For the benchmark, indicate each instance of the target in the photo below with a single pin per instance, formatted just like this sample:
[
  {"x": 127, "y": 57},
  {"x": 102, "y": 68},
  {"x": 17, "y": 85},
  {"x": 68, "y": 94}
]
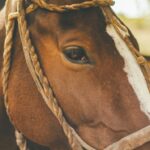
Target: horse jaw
[{"x": 134, "y": 73}]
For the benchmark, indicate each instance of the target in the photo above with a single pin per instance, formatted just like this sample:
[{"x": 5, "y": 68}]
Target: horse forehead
[{"x": 81, "y": 18}]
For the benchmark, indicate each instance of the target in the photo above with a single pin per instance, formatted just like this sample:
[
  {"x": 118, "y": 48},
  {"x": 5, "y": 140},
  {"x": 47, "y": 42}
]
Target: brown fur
[{"x": 97, "y": 99}]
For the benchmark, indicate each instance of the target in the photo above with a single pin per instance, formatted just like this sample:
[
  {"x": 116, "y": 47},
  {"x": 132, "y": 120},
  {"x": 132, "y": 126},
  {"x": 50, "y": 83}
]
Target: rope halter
[
  {"x": 62, "y": 8},
  {"x": 41, "y": 81}
]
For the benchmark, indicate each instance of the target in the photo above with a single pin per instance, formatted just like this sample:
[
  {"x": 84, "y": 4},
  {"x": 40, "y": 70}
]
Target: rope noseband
[{"x": 33, "y": 63}]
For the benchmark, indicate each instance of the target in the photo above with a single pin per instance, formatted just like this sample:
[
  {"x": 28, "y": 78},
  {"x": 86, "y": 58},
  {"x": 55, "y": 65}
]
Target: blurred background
[{"x": 136, "y": 15}]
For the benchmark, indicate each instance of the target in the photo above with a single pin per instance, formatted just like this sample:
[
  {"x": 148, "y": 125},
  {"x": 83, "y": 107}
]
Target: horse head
[{"x": 94, "y": 76}]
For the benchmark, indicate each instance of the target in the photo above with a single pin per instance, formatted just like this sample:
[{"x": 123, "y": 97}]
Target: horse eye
[{"x": 76, "y": 54}]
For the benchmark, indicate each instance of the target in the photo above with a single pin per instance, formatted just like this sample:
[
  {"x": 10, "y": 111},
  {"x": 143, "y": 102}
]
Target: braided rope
[
  {"x": 42, "y": 81},
  {"x": 6, "y": 58},
  {"x": 33, "y": 63},
  {"x": 72, "y": 7},
  {"x": 21, "y": 142}
]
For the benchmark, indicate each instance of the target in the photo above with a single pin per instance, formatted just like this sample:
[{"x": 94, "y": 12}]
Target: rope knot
[
  {"x": 104, "y": 2},
  {"x": 141, "y": 60},
  {"x": 13, "y": 15}
]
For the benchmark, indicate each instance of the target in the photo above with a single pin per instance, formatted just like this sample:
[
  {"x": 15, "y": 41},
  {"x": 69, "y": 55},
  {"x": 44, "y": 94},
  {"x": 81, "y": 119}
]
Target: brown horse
[{"x": 94, "y": 76}]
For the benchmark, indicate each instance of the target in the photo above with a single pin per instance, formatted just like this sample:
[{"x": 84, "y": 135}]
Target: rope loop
[
  {"x": 13, "y": 15},
  {"x": 141, "y": 60}
]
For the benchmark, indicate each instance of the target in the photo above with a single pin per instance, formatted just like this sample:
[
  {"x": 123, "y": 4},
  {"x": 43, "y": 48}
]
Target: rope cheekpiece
[{"x": 33, "y": 63}]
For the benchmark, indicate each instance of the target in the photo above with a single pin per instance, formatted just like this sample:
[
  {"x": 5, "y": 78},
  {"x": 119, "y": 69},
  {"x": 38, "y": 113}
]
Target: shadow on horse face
[{"x": 87, "y": 75}]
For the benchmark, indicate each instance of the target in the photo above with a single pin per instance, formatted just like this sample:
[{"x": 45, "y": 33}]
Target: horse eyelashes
[{"x": 76, "y": 54}]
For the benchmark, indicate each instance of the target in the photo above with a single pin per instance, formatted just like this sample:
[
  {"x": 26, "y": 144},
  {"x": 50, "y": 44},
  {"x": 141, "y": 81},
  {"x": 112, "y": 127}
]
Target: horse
[{"x": 94, "y": 76}]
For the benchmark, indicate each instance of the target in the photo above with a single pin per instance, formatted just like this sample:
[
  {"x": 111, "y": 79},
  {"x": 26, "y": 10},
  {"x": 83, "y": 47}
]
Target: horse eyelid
[{"x": 76, "y": 54}]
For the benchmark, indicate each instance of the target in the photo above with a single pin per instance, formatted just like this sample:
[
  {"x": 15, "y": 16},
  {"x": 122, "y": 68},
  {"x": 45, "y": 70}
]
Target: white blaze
[{"x": 134, "y": 73}]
